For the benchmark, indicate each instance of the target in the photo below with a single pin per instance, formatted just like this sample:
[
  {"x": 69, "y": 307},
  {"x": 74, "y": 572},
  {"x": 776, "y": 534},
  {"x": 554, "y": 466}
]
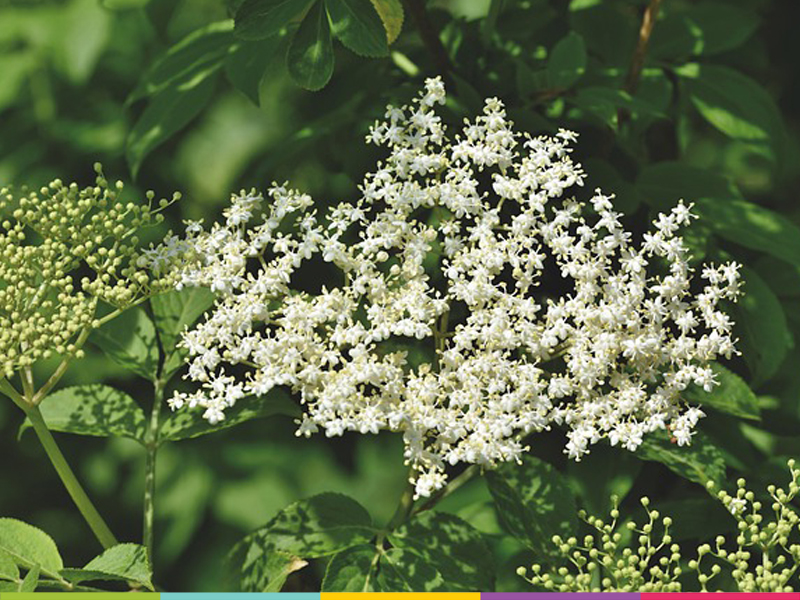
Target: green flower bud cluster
[
  {"x": 63, "y": 250},
  {"x": 766, "y": 557}
]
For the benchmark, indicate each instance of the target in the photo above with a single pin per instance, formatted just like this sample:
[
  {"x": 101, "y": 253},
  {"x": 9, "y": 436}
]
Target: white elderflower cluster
[{"x": 537, "y": 308}]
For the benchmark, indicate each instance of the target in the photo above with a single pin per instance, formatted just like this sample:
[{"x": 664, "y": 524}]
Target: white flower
[{"x": 446, "y": 249}]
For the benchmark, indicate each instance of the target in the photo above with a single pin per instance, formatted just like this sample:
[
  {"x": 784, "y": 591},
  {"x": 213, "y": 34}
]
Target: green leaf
[
  {"x": 15, "y": 67},
  {"x": 450, "y": 546},
  {"x": 246, "y": 65},
  {"x": 123, "y": 562},
  {"x": 8, "y": 568},
  {"x": 259, "y": 19},
  {"x": 761, "y": 323},
  {"x": 391, "y": 13},
  {"x": 704, "y": 29},
  {"x": 604, "y": 103},
  {"x": 605, "y": 472},
  {"x": 720, "y": 206},
  {"x": 700, "y": 462},
  {"x": 732, "y": 395},
  {"x": 733, "y": 103},
  {"x": 352, "y": 570},
  {"x": 83, "y": 28},
  {"x": 185, "y": 424},
  {"x": 31, "y": 580},
  {"x": 310, "y": 56},
  {"x": 534, "y": 502},
  {"x": 173, "y": 312},
  {"x": 661, "y": 185},
  {"x": 168, "y": 112},
  {"x": 193, "y": 59},
  {"x": 358, "y": 26},
  {"x": 29, "y": 546},
  {"x": 318, "y": 526},
  {"x": 130, "y": 341},
  {"x": 567, "y": 61},
  {"x": 93, "y": 409},
  {"x": 403, "y": 571},
  {"x": 262, "y": 568},
  {"x": 752, "y": 226}
]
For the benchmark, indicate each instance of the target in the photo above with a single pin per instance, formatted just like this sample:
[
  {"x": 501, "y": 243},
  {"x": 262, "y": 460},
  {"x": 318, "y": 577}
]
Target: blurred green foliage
[{"x": 207, "y": 96}]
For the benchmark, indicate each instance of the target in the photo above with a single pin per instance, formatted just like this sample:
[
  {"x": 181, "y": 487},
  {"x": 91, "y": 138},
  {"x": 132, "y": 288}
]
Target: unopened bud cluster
[
  {"x": 765, "y": 557},
  {"x": 447, "y": 247},
  {"x": 63, "y": 249}
]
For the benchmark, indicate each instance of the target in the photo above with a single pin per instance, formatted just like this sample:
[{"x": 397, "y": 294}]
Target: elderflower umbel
[
  {"x": 62, "y": 250},
  {"x": 448, "y": 244}
]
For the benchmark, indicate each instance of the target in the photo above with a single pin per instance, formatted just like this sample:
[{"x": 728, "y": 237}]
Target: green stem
[
  {"x": 403, "y": 508},
  {"x": 451, "y": 487},
  {"x": 151, "y": 445},
  {"x": 82, "y": 501}
]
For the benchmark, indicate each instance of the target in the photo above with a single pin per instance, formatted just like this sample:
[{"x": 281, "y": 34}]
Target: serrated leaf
[
  {"x": 259, "y": 19},
  {"x": 733, "y": 103},
  {"x": 187, "y": 424},
  {"x": 31, "y": 580},
  {"x": 567, "y": 61},
  {"x": 391, "y": 13},
  {"x": 93, "y": 409},
  {"x": 761, "y": 323},
  {"x": 310, "y": 55},
  {"x": 29, "y": 546},
  {"x": 262, "y": 569},
  {"x": 168, "y": 112},
  {"x": 352, "y": 570},
  {"x": 194, "y": 58},
  {"x": 534, "y": 502},
  {"x": 732, "y": 395},
  {"x": 318, "y": 526},
  {"x": 358, "y": 26},
  {"x": 404, "y": 571},
  {"x": 700, "y": 462},
  {"x": 173, "y": 312},
  {"x": 123, "y": 562},
  {"x": 450, "y": 546},
  {"x": 8, "y": 568},
  {"x": 130, "y": 341},
  {"x": 246, "y": 65}
]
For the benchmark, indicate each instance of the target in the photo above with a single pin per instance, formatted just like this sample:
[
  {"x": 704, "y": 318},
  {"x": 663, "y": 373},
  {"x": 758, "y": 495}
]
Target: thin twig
[
  {"x": 645, "y": 31},
  {"x": 430, "y": 37}
]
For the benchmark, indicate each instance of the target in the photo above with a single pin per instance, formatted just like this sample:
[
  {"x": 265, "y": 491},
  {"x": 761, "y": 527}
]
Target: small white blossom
[{"x": 447, "y": 245}]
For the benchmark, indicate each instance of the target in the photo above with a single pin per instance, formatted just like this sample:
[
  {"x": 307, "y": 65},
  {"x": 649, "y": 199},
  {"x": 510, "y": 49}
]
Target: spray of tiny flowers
[
  {"x": 447, "y": 246},
  {"x": 764, "y": 558}
]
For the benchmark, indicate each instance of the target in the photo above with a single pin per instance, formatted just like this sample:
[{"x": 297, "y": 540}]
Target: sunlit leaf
[
  {"x": 700, "y": 462},
  {"x": 29, "y": 546},
  {"x": 391, "y": 13},
  {"x": 94, "y": 409},
  {"x": 168, "y": 112},
  {"x": 534, "y": 502},
  {"x": 130, "y": 341},
  {"x": 185, "y": 424},
  {"x": 357, "y": 25},
  {"x": 185, "y": 64}
]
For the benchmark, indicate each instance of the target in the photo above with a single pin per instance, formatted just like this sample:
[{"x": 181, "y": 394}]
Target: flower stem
[
  {"x": 151, "y": 445},
  {"x": 68, "y": 478},
  {"x": 451, "y": 487}
]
